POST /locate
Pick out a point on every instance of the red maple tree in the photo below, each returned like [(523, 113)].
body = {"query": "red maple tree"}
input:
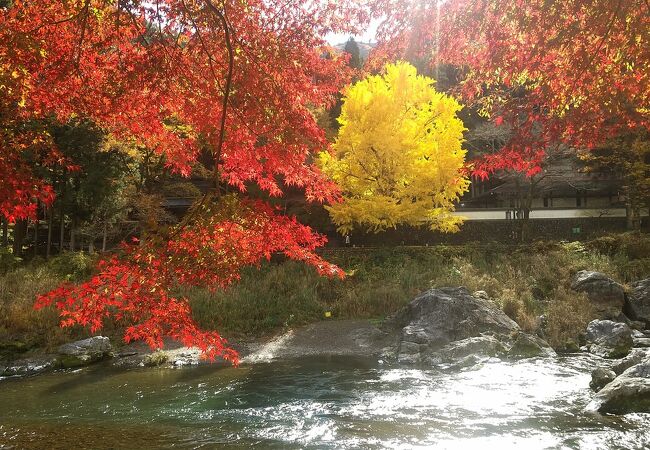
[(574, 71), (239, 76)]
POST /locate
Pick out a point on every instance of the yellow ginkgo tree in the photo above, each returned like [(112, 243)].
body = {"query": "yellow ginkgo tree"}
[(398, 157)]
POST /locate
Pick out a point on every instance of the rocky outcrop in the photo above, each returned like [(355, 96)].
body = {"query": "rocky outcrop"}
[(601, 377), (637, 302), (442, 325), (84, 352), (606, 295), (609, 339), (629, 392)]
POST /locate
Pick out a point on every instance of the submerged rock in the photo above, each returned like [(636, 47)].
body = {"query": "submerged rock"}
[(637, 302), (629, 392), (601, 377), (609, 339), (606, 295), (84, 352), (445, 324), (29, 366)]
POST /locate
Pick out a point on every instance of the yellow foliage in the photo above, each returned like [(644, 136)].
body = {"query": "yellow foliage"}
[(398, 155)]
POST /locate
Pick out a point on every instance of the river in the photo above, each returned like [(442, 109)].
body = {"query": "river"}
[(326, 403)]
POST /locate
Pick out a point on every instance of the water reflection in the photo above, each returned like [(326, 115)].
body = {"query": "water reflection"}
[(534, 404)]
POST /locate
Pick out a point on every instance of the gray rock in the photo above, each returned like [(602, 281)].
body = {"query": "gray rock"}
[(540, 326), (606, 295), (448, 324), (629, 392), (408, 353), (528, 346), (480, 346), (641, 342), (601, 377), (29, 366), (84, 352), (444, 315), (609, 339), (635, 357), (637, 302)]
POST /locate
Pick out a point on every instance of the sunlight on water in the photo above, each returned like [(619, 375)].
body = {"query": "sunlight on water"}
[(534, 404)]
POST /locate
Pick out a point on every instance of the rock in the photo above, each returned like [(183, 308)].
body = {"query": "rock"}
[(29, 366), (528, 346), (609, 339), (84, 352), (540, 326), (155, 359), (481, 294), (440, 316), (606, 295), (637, 325), (641, 342), (186, 356), (629, 392), (637, 302), (480, 346), (408, 353), (448, 324), (635, 357), (600, 378)]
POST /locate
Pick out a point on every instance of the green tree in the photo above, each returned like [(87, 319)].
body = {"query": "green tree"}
[(352, 48), (628, 158)]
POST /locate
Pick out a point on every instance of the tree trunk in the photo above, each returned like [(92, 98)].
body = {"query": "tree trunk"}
[(5, 232), (36, 226), (50, 223), (20, 229), (73, 232), (61, 228), (104, 236)]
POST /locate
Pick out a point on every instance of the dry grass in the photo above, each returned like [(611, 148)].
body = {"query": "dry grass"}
[(526, 281)]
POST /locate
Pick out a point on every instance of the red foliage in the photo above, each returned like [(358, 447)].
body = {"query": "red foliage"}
[(224, 235), (134, 68), (575, 71)]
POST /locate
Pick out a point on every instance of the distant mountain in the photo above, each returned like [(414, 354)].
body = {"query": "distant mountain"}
[(364, 48)]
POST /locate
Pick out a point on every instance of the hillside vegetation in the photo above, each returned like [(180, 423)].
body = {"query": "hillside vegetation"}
[(526, 281)]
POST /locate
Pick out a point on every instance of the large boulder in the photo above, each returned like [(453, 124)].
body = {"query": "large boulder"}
[(637, 302), (606, 295), (84, 352), (448, 323), (629, 392), (609, 339)]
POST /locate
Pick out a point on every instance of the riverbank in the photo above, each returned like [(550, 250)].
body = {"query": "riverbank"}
[(525, 281)]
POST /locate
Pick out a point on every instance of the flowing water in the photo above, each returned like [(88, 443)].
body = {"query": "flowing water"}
[(327, 403)]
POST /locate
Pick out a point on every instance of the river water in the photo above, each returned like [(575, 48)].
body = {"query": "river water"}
[(327, 403)]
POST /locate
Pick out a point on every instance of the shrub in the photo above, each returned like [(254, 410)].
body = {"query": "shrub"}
[(72, 266), (567, 318)]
